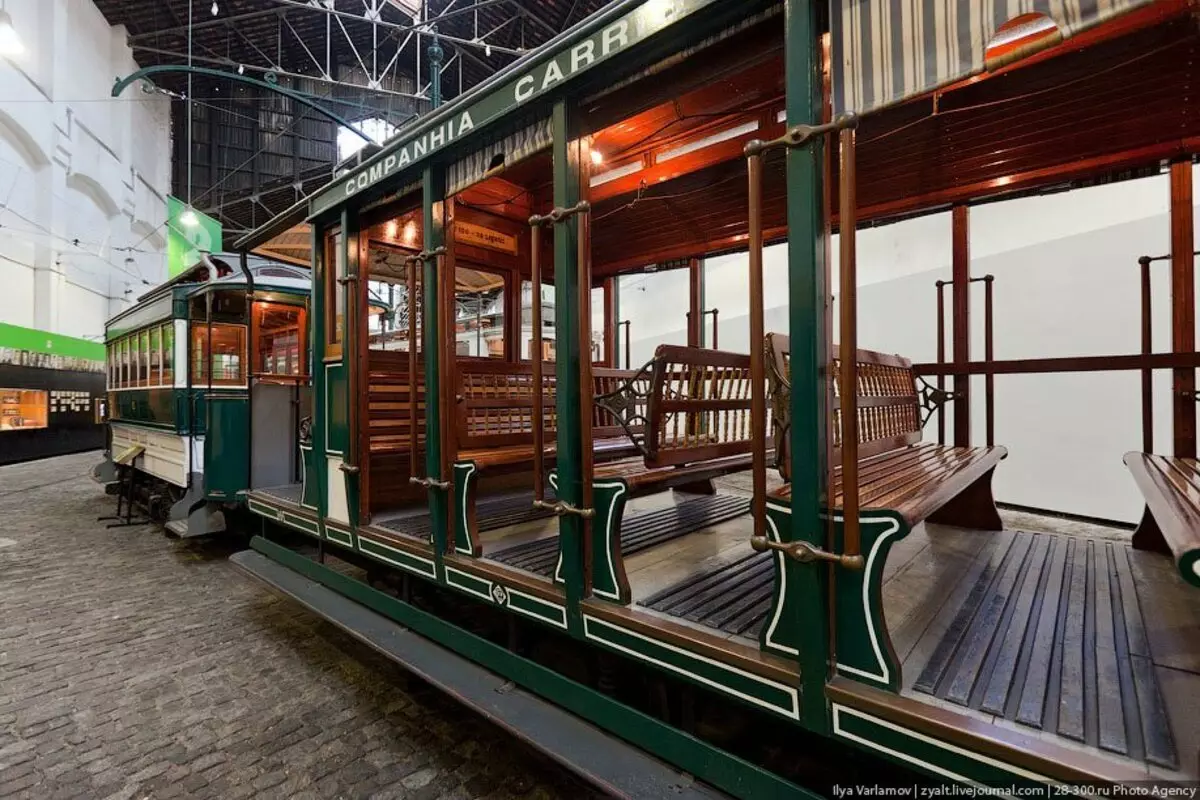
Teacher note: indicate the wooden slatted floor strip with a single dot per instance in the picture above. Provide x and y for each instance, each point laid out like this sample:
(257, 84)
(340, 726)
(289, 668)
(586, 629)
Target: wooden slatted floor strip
(491, 513)
(733, 598)
(291, 493)
(1051, 635)
(639, 531)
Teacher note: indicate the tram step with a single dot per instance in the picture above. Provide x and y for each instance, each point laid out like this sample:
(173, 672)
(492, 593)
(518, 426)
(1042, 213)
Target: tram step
(1051, 635)
(639, 531)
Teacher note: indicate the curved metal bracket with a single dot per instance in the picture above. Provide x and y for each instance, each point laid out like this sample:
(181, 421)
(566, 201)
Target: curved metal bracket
(558, 214)
(623, 403)
(932, 399)
(123, 83)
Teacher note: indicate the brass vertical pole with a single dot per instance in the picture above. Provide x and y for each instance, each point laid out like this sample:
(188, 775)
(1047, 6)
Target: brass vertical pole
(849, 344)
(535, 249)
(758, 422)
(414, 429)
(989, 381)
(941, 357)
(1147, 348)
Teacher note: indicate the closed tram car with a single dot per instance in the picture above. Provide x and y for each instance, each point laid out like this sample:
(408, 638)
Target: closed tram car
(182, 366)
(749, 570)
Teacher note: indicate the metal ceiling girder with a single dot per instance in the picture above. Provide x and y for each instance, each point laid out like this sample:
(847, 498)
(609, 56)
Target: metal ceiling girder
(226, 62)
(305, 100)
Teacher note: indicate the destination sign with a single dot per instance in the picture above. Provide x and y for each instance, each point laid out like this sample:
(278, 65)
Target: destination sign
(591, 47)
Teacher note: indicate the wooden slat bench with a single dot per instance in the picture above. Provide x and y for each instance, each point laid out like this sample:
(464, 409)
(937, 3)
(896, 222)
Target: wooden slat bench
(697, 427)
(945, 484)
(1171, 520)
(494, 430)
(901, 483)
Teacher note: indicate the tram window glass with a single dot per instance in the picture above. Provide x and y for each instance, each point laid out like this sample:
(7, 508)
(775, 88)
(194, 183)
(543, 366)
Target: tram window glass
(478, 313)
(387, 299)
(143, 346)
(23, 409)
(598, 353)
(155, 357)
(168, 354)
(527, 337)
(110, 365)
(335, 294)
(124, 345)
(228, 354)
(278, 339)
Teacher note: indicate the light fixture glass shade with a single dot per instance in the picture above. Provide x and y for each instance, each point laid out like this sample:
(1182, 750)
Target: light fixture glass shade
(189, 218)
(10, 42)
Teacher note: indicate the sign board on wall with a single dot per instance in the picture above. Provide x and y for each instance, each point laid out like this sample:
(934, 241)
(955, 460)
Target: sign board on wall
(487, 238)
(188, 237)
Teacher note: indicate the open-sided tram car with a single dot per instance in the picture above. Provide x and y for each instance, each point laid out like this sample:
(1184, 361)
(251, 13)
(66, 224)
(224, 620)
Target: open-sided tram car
(182, 365)
(721, 557)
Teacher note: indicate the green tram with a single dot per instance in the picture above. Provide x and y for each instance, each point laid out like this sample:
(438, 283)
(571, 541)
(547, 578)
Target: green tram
(182, 365)
(754, 568)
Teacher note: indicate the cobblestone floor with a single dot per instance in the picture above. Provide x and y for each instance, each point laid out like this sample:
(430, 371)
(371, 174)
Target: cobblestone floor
(135, 666)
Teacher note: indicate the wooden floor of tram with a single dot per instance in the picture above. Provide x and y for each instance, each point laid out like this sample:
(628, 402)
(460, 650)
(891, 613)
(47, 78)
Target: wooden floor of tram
(1056, 629)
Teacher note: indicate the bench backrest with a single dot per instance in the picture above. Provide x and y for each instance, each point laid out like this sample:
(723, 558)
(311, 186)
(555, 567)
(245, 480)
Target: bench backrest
(888, 407)
(699, 406)
(495, 399)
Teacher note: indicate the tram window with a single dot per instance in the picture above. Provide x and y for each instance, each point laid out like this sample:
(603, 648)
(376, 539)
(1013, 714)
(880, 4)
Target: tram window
(155, 358)
(527, 337)
(23, 409)
(335, 294)
(278, 339)
(143, 347)
(228, 354)
(479, 313)
(109, 365)
(387, 300)
(124, 345)
(168, 354)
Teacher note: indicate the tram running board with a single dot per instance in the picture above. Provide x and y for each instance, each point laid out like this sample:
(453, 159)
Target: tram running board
(639, 531)
(733, 597)
(620, 769)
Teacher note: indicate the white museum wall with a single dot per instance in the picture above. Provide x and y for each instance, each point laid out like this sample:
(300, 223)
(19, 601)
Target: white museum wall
(83, 177)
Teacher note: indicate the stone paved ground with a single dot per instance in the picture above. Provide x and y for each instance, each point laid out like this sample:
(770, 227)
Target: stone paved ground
(136, 666)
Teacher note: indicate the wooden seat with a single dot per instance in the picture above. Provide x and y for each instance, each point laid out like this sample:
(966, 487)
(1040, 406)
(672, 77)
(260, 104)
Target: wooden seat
(696, 407)
(494, 430)
(916, 482)
(1171, 520)
(897, 472)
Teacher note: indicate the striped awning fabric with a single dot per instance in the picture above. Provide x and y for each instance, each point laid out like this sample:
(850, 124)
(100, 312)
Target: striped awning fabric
(887, 50)
(516, 146)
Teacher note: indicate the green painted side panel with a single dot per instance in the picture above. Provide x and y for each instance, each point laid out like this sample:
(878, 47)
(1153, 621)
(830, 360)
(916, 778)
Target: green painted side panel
(938, 758)
(864, 650)
(310, 497)
(751, 689)
(464, 489)
(161, 408)
(808, 297)
(608, 497)
(569, 487)
(396, 557)
(800, 592)
(166, 408)
(717, 767)
(226, 453)
(337, 417)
